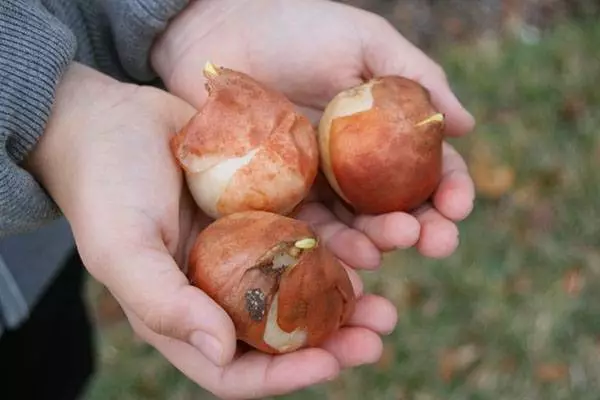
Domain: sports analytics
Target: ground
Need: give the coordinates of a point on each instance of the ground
(515, 312)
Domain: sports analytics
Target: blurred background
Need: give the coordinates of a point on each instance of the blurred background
(515, 312)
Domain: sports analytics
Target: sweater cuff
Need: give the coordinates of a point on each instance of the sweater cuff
(35, 50)
(136, 24)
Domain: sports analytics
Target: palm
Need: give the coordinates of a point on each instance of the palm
(138, 191)
(249, 373)
(320, 54)
(310, 50)
(105, 160)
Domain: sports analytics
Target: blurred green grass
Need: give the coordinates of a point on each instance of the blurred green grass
(515, 312)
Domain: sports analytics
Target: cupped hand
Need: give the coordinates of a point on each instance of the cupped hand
(310, 50)
(105, 160)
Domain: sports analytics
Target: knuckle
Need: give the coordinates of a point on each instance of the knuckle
(168, 317)
(158, 318)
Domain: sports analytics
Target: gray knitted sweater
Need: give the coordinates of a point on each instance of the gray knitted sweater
(38, 40)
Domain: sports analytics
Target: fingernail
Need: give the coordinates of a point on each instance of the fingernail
(208, 345)
(388, 332)
(329, 378)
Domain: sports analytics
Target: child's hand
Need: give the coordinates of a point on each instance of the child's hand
(311, 50)
(105, 160)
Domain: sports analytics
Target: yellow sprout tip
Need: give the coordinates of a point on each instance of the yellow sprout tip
(439, 117)
(306, 243)
(210, 69)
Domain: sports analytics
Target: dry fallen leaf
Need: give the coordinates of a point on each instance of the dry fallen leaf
(395, 290)
(542, 216)
(526, 196)
(551, 372)
(513, 15)
(388, 357)
(573, 107)
(454, 361)
(454, 26)
(518, 284)
(404, 293)
(484, 377)
(493, 179)
(107, 310)
(508, 364)
(591, 258)
(573, 282)
(431, 307)
(336, 390)
(399, 392)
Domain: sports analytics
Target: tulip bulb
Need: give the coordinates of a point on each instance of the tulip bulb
(281, 287)
(247, 148)
(380, 145)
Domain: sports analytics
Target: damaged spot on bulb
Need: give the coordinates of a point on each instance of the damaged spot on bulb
(283, 256)
(282, 261)
(255, 304)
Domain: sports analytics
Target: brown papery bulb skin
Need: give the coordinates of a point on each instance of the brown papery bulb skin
(247, 148)
(282, 288)
(381, 145)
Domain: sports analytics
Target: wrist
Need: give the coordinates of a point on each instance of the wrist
(81, 91)
(192, 24)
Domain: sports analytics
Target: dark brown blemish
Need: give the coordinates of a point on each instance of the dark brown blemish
(255, 304)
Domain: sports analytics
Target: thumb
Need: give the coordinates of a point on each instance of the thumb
(145, 279)
(387, 52)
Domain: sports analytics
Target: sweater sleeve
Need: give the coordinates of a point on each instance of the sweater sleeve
(38, 41)
(35, 50)
(135, 25)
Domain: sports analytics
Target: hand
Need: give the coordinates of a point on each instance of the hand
(310, 50)
(105, 160)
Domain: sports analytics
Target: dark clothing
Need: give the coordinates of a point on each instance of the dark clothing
(51, 356)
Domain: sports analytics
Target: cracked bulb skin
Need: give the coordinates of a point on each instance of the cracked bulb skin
(381, 145)
(247, 148)
(283, 290)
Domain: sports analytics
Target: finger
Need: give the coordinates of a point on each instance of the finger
(354, 346)
(374, 313)
(264, 375)
(253, 375)
(387, 52)
(389, 231)
(439, 236)
(256, 375)
(143, 276)
(456, 192)
(349, 245)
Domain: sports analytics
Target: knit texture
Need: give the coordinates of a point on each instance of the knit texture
(140, 20)
(35, 50)
(38, 41)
